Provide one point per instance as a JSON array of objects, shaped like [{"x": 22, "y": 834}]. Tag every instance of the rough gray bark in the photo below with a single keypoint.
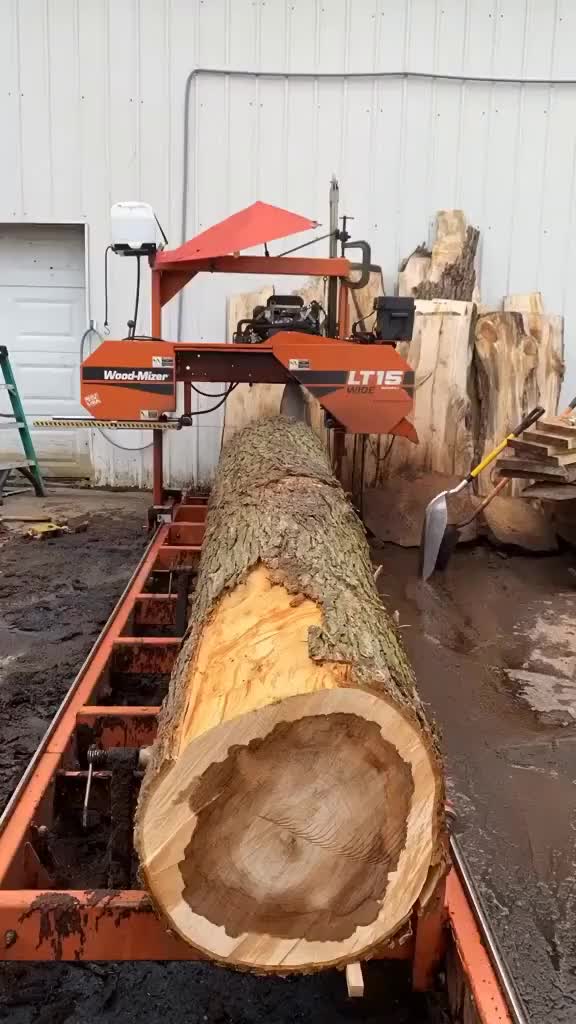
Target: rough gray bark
[
  {"x": 275, "y": 500},
  {"x": 458, "y": 279},
  {"x": 234, "y": 828}
]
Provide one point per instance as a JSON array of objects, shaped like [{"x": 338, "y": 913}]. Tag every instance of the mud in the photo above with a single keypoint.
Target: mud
[
  {"x": 512, "y": 771},
  {"x": 55, "y": 596}
]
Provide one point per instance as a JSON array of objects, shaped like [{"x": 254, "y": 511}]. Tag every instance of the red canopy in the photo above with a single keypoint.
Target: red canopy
[{"x": 255, "y": 225}]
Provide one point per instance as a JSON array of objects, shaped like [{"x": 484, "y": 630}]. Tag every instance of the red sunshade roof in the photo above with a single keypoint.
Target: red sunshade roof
[{"x": 255, "y": 225}]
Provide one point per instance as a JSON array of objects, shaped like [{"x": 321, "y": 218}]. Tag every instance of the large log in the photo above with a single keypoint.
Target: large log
[{"x": 292, "y": 812}]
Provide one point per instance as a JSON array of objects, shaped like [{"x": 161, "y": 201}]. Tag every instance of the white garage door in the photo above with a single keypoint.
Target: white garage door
[{"x": 42, "y": 318}]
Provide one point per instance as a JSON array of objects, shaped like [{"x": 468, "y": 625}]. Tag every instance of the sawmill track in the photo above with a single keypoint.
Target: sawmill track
[{"x": 55, "y": 898}]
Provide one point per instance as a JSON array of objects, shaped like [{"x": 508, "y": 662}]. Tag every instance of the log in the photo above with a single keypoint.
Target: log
[
  {"x": 519, "y": 364},
  {"x": 452, "y": 274},
  {"x": 440, "y": 353},
  {"x": 413, "y": 271},
  {"x": 531, "y": 302},
  {"x": 291, "y": 815}
]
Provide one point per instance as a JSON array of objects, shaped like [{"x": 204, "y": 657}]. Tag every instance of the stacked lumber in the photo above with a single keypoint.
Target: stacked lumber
[{"x": 545, "y": 454}]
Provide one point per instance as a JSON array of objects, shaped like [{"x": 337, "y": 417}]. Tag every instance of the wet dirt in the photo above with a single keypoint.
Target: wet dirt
[
  {"x": 55, "y": 596},
  {"x": 512, "y": 774}
]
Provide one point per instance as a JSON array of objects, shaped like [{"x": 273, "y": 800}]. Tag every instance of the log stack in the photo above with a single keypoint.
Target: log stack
[{"x": 291, "y": 816}]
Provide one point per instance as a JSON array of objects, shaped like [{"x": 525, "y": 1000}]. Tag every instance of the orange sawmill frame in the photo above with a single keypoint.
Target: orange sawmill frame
[
  {"x": 39, "y": 921},
  {"x": 168, "y": 278}
]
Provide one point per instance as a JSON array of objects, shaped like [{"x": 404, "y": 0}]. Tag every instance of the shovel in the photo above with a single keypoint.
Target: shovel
[{"x": 436, "y": 515}]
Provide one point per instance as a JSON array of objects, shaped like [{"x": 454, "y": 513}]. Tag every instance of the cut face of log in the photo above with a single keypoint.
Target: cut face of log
[{"x": 292, "y": 811}]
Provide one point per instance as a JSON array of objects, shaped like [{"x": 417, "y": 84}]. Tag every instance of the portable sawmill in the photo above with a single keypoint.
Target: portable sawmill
[
  {"x": 363, "y": 385},
  {"x": 89, "y": 765}
]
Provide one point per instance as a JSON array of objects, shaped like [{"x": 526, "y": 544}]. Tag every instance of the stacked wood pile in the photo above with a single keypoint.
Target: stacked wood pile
[{"x": 545, "y": 454}]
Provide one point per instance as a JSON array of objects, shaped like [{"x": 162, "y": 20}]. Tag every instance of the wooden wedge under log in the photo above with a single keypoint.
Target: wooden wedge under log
[{"x": 292, "y": 814}]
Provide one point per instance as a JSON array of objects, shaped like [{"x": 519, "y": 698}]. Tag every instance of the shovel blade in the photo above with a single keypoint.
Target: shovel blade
[{"x": 435, "y": 522}]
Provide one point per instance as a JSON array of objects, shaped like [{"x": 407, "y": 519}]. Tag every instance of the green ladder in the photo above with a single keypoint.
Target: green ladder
[{"x": 16, "y": 420}]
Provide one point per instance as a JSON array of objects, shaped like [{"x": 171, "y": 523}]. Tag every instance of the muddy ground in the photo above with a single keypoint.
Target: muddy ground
[
  {"x": 512, "y": 769},
  {"x": 55, "y": 596},
  {"x": 512, "y": 772}
]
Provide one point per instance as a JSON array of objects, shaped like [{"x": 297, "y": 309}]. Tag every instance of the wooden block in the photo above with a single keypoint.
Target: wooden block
[
  {"x": 558, "y": 426},
  {"x": 523, "y": 447},
  {"x": 526, "y": 474},
  {"x": 534, "y": 467},
  {"x": 354, "y": 980},
  {"x": 551, "y": 492},
  {"x": 544, "y": 453},
  {"x": 555, "y": 440}
]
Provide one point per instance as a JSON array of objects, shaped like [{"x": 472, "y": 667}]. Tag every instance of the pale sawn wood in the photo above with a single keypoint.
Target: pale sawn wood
[{"x": 292, "y": 812}]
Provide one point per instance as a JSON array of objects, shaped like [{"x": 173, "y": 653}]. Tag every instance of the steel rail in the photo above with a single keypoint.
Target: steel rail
[{"x": 510, "y": 992}]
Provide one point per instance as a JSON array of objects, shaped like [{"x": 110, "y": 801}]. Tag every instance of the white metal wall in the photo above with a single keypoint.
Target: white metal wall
[{"x": 92, "y": 110}]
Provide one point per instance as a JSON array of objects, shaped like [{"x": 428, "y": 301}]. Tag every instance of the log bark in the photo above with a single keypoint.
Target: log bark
[{"x": 292, "y": 812}]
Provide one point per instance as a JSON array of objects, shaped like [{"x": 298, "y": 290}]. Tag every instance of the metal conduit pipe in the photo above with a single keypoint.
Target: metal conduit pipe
[{"x": 320, "y": 76}]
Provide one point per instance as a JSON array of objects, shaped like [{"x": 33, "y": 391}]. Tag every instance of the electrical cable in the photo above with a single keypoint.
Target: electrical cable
[
  {"x": 381, "y": 458},
  {"x": 132, "y": 331},
  {"x": 106, "y": 325},
  {"x": 203, "y": 412},
  {"x": 208, "y": 394},
  {"x": 124, "y": 448},
  {"x": 144, "y": 337}
]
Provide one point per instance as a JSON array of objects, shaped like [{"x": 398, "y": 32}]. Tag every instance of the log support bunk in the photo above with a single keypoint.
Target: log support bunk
[{"x": 42, "y": 917}]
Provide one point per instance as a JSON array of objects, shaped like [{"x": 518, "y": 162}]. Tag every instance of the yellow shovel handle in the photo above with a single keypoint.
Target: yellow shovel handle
[
  {"x": 490, "y": 457},
  {"x": 523, "y": 425}
]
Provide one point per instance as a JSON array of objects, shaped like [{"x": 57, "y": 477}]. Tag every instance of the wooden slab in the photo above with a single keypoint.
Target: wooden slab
[
  {"x": 519, "y": 364},
  {"x": 535, "y": 467},
  {"x": 541, "y": 437},
  {"x": 440, "y": 353},
  {"x": 551, "y": 492},
  {"x": 530, "y": 302},
  {"x": 523, "y": 469},
  {"x": 544, "y": 453},
  {"x": 558, "y": 426}
]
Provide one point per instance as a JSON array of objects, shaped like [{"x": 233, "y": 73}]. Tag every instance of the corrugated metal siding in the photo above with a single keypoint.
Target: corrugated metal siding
[{"x": 92, "y": 111}]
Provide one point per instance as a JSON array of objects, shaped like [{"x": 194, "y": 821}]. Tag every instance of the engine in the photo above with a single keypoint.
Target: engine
[{"x": 281, "y": 313}]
